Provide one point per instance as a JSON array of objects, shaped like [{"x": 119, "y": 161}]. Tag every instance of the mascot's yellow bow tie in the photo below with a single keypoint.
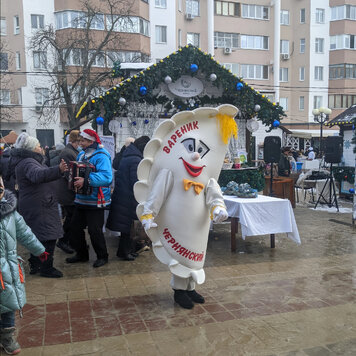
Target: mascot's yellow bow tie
[{"x": 198, "y": 187}]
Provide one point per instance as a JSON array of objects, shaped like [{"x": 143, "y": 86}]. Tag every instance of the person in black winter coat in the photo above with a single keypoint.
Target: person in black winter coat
[
  {"x": 37, "y": 201},
  {"x": 9, "y": 179},
  {"x": 123, "y": 203},
  {"x": 66, "y": 196}
]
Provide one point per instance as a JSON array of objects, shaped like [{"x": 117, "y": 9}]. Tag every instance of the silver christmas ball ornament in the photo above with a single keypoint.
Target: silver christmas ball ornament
[
  {"x": 213, "y": 77},
  {"x": 257, "y": 108},
  {"x": 122, "y": 101},
  {"x": 168, "y": 79}
]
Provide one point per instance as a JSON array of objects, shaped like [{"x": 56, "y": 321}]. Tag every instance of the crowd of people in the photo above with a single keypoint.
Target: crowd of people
[{"x": 44, "y": 204}]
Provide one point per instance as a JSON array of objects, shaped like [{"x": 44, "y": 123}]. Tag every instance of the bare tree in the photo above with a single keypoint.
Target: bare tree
[
  {"x": 77, "y": 58},
  {"x": 6, "y": 59}
]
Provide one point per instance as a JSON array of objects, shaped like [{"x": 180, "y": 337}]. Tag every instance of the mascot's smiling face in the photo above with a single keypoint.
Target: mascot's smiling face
[{"x": 194, "y": 149}]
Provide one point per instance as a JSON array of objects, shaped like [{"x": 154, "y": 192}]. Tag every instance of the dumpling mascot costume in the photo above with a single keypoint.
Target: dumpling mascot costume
[{"x": 178, "y": 193}]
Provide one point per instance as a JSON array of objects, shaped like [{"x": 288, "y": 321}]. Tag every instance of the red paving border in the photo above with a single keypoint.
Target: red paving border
[{"x": 60, "y": 323}]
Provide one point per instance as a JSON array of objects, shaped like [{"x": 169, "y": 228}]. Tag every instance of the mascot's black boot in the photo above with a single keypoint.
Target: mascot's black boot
[
  {"x": 181, "y": 297},
  {"x": 195, "y": 297}
]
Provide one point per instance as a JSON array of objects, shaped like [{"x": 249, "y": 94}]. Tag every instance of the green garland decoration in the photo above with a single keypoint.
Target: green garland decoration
[
  {"x": 254, "y": 177},
  {"x": 116, "y": 70},
  {"x": 344, "y": 174},
  {"x": 176, "y": 65}
]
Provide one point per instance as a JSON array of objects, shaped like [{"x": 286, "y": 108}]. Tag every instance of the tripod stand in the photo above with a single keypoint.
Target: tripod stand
[{"x": 332, "y": 199}]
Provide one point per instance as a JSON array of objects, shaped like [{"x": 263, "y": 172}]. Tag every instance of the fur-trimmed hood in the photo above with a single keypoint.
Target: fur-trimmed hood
[{"x": 7, "y": 204}]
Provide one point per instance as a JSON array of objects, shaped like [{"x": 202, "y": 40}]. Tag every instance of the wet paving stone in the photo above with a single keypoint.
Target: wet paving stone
[{"x": 291, "y": 300}]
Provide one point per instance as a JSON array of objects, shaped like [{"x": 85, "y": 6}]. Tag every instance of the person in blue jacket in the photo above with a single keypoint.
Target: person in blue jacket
[
  {"x": 12, "y": 278},
  {"x": 89, "y": 208}
]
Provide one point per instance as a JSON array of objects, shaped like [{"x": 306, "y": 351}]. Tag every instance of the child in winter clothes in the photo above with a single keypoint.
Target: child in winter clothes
[{"x": 12, "y": 289}]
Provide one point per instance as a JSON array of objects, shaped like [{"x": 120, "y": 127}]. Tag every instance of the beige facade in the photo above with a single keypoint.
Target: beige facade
[
  {"x": 13, "y": 78},
  {"x": 342, "y": 92}
]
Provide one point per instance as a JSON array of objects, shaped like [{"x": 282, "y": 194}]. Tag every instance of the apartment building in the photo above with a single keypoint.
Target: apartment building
[
  {"x": 29, "y": 82},
  {"x": 300, "y": 53},
  {"x": 342, "y": 69},
  {"x": 249, "y": 39}
]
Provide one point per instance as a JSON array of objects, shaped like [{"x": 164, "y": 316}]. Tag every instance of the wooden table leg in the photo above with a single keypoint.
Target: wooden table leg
[
  {"x": 272, "y": 241},
  {"x": 234, "y": 230}
]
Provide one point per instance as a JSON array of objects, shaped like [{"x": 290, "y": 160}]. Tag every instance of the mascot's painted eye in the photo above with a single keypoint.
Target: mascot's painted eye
[
  {"x": 203, "y": 149},
  {"x": 189, "y": 144}
]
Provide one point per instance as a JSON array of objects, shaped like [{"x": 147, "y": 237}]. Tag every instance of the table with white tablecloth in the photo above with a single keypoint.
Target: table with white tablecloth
[{"x": 263, "y": 215}]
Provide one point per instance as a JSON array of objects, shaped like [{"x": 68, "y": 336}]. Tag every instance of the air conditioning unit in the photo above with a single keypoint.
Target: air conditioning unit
[
  {"x": 189, "y": 16},
  {"x": 284, "y": 56},
  {"x": 227, "y": 50},
  {"x": 38, "y": 108}
]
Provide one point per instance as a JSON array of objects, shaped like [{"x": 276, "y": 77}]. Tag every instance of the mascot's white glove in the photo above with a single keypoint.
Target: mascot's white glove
[
  {"x": 219, "y": 214},
  {"x": 147, "y": 222}
]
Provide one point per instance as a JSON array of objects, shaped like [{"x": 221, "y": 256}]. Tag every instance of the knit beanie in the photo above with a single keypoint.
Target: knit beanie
[
  {"x": 27, "y": 142},
  {"x": 141, "y": 142}
]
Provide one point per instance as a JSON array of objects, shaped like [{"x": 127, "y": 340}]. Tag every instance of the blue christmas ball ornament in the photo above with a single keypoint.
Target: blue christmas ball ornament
[
  {"x": 143, "y": 90},
  {"x": 146, "y": 121},
  {"x": 133, "y": 123},
  {"x": 99, "y": 120},
  {"x": 193, "y": 68},
  {"x": 352, "y": 190},
  {"x": 239, "y": 86},
  {"x": 276, "y": 123}
]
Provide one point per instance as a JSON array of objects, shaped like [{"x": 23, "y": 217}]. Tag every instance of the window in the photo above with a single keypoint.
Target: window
[
  {"x": 41, "y": 96},
  {"x": 317, "y": 102},
  {"x": 254, "y": 71},
  {"x": 193, "y": 39},
  {"x": 79, "y": 19},
  {"x": 179, "y": 38},
  {"x": 342, "y": 42},
  {"x": 97, "y": 22},
  {"x": 129, "y": 24},
  {"x": 318, "y": 73},
  {"x": 284, "y": 47},
  {"x": 254, "y": 42},
  {"x": 283, "y": 74},
  {"x": 126, "y": 57},
  {"x": 302, "y": 45},
  {"x": 40, "y": 60},
  {"x": 301, "y": 103},
  {"x": 257, "y": 12},
  {"x": 5, "y": 97},
  {"x": 18, "y": 60},
  {"x": 2, "y": 26},
  {"x": 343, "y": 12},
  {"x": 302, "y": 15},
  {"x": 192, "y": 7},
  {"x": 99, "y": 60},
  {"x": 19, "y": 96},
  {"x": 161, "y": 3},
  {"x": 301, "y": 74},
  {"x": 224, "y": 39},
  {"x": 16, "y": 25},
  {"x": 319, "y": 45},
  {"x": 284, "y": 17},
  {"x": 341, "y": 101},
  {"x": 161, "y": 34},
  {"x": 4, "y": 61},
  {"x": 226, "y": 8},
  {"x": 320, "y": 15},
  {"x": 37, "y": 21},
  {"x": 342, "y": 71},
  {"x": 234, "y": 67},
  {"x": 284, "y": 103}
]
